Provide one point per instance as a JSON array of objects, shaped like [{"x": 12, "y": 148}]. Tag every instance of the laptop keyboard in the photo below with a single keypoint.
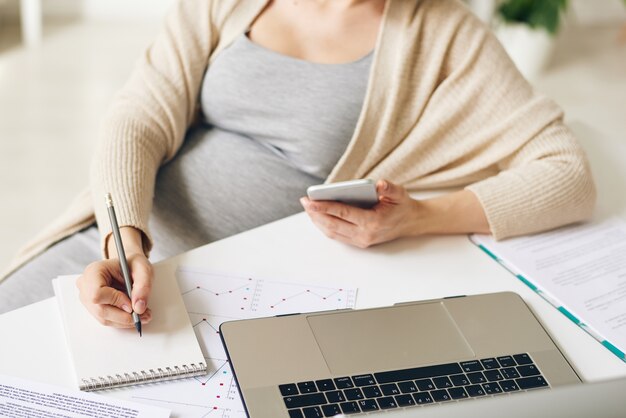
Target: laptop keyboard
[{"x": 411, "y": 387}]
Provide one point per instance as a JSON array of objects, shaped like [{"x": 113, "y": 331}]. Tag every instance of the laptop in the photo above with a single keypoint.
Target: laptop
[
  {"x": 602, "y": 399},
  {"x": 407, "y": 355}
]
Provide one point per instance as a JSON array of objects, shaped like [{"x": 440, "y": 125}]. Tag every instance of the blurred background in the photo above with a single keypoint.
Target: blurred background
[{"x": 61, "y": 62}]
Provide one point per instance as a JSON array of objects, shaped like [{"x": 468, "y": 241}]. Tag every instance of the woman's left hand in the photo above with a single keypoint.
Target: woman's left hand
[{"x": 394, "y": 216}]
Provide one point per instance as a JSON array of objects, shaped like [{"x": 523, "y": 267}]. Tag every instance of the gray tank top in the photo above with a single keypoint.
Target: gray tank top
[{"x": 273, "y": 125}]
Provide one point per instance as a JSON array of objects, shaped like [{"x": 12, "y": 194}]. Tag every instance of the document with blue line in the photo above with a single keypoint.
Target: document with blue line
[{"x": 579, "y": 269}]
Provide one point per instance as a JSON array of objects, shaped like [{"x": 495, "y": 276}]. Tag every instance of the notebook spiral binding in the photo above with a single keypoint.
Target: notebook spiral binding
[{"x": 143, "y": 376}]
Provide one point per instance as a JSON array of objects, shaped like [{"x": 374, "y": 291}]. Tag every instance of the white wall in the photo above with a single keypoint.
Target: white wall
[
  {"x": 118, "y": 10},
  {"x": 124, "y": 9},
  {"x": 54, "y": 8},
  {"x": 599, "y": 11}
]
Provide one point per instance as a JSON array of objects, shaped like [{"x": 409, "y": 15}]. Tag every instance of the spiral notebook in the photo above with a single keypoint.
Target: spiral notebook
[{"x": 105, "y": 357}]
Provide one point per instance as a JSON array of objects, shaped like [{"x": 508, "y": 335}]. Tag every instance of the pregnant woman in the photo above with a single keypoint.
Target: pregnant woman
[{"x": 240, "y": 105}]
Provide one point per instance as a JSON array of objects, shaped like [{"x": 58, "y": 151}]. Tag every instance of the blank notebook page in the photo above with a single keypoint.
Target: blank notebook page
[{"x": 100, "y": 352}]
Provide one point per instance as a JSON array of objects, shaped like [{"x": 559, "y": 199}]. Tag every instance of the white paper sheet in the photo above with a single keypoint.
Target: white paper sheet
[
  {"x": 22, "y": 398},
  {"x": 212, "y": 298},
  {"x": 581, "y": 269}
]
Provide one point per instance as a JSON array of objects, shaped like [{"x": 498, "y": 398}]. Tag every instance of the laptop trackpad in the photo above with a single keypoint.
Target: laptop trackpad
[{"x": 389, "y": 338}]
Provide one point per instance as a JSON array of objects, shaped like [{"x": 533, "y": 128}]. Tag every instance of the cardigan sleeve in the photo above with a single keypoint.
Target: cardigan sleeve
[
  {"x": 545, "y": 184},
  {"x": 448, "y": 108},
  {"x": 544, "y": 181},
  {"x": 543, "y": 178},
  {"x": 147, "y": 121}
]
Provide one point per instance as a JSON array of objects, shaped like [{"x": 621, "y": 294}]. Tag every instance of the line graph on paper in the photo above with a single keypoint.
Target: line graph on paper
[{"x": 212, "y": 298}]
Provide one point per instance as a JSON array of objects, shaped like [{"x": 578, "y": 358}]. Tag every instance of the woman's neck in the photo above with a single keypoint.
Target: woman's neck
[{"x": 323, "y": 31}]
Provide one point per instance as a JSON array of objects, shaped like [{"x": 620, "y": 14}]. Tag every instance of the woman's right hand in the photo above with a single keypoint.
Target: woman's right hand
[{"x": 102, "y": 289}]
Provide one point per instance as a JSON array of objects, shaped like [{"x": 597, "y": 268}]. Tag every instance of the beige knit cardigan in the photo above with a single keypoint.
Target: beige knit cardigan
[{"x": 445, "y": 107}]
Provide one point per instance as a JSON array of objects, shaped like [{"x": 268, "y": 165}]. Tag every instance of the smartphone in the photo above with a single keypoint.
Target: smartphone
[{"x": 360, "y": 193}]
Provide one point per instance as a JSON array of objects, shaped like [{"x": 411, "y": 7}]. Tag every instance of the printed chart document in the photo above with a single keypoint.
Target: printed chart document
[
  {"x": 211, "y": 298},
  {"x": 580, "y": 269},
  {"x": 22, "y": 398}
]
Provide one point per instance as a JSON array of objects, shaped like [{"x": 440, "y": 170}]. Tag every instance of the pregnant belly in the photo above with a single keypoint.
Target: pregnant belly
[{"x": 220, "y": 184}]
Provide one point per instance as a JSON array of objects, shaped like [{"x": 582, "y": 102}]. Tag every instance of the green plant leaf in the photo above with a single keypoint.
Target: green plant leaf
[{"x": 538, "y": 14}]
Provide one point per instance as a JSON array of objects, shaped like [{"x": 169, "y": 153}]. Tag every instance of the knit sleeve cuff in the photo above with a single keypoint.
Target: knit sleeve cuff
[
  {"x": 105, "y": 233},
  {"x": 126, "y": 167},
  {"x": 499, "y": 212},
  {"x": 533, "y": 199}
]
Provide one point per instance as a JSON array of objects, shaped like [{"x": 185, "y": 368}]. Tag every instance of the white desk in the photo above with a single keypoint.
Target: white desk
[{"x": 293, "y": 249}]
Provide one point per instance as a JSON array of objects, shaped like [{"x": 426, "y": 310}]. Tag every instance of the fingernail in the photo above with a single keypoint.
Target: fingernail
[
  {"x": 140, "y": 306},
  {"x": 313, "y": 208},
  {"x": 127, "y": 308},
  {"x": 385, "y": 185},
  {"x": 146, "y": 318}
]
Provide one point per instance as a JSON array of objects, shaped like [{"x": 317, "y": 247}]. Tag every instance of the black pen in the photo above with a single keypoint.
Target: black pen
[{"x": 122, "y": 256}]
